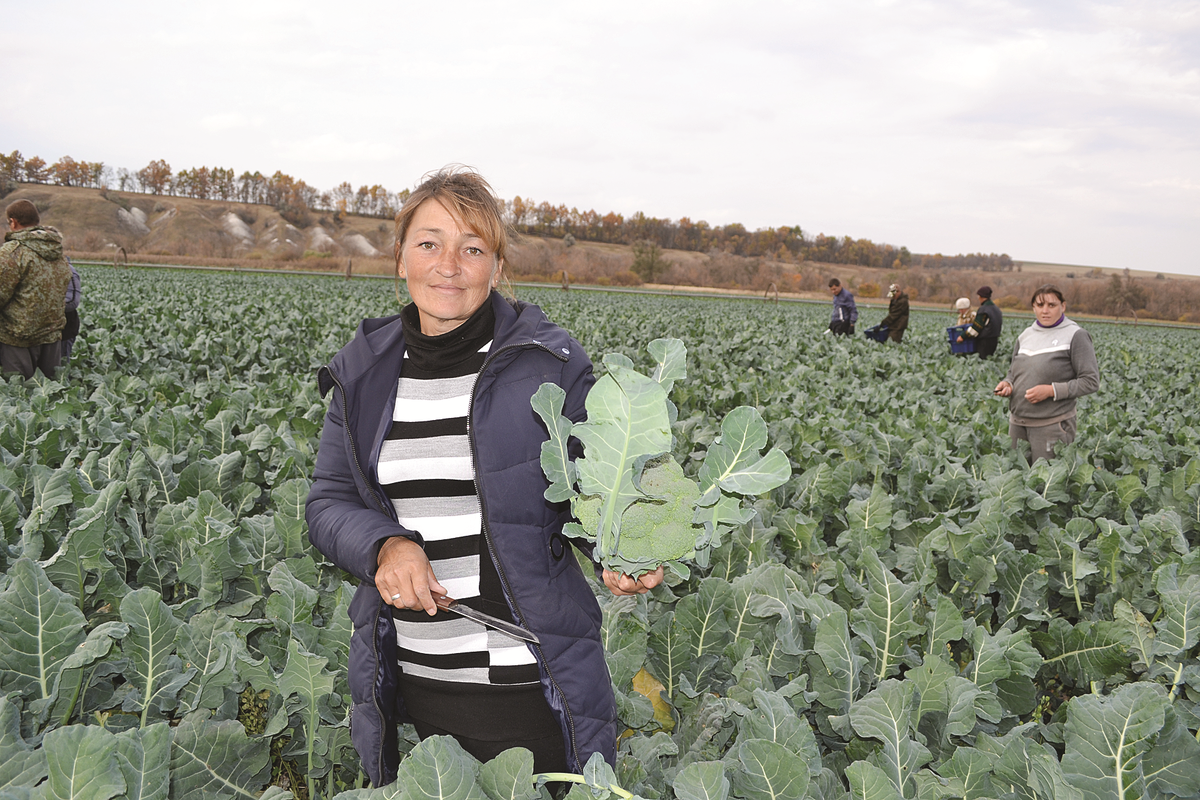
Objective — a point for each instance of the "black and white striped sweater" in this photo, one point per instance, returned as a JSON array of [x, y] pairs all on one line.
[[426, 470]]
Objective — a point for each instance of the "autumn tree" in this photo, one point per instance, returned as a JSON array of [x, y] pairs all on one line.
[[1125, 296], [648, 261], [155, 177], [66, 172], [12, 166]]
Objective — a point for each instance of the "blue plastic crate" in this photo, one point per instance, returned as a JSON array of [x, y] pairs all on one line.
[[967, 345], [878, 333]]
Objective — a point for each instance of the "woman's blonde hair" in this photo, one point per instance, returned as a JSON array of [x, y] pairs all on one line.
[[468, 197]]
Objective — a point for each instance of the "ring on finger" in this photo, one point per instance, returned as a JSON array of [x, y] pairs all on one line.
[[395, 597]]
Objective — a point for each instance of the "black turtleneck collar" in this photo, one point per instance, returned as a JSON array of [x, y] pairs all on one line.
[[435, 353]]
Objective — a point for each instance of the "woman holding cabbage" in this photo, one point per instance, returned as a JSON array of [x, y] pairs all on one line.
[[428, 486]]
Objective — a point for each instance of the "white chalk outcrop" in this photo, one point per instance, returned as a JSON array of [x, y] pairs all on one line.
[[134, 220], [357, 245], [283, 238], [321, 242], [236, 227]]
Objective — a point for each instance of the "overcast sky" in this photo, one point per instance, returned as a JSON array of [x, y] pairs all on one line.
[[1050, 130]]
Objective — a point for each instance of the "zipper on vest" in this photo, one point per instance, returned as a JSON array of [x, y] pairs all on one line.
[[354, 449], [487, 537]]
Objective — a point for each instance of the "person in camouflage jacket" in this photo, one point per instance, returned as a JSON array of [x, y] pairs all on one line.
[[33, 285]]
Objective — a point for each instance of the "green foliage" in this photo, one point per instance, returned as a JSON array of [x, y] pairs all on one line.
[[913, 612], [630, 495]]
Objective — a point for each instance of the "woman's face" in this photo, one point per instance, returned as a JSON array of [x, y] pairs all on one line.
[[1048, 309], [449, 269]]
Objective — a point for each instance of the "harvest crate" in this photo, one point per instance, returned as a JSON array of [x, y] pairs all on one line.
[[967, 346], [878, 333]]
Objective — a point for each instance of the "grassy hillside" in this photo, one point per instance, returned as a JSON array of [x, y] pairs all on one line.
[[103, 224]]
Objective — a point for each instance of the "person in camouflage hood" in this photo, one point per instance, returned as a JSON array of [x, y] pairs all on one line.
[[33, 285]]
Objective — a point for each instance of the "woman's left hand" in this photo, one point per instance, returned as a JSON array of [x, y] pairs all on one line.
[[1037, 394], [622, 585]]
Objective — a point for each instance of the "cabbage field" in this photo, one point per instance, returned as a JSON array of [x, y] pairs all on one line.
[[914, 613]]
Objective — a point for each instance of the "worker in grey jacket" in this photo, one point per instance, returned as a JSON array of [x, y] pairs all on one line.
[[1053, 364]]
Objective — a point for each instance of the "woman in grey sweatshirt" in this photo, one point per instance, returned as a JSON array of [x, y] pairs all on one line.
[[1053, 363]]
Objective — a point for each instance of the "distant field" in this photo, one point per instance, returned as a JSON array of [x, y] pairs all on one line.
[[1080, 271]]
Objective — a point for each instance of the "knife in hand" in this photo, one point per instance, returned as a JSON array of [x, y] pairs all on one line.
[[504, 626]]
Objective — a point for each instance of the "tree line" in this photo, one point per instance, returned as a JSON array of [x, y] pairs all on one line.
[[295, 199]]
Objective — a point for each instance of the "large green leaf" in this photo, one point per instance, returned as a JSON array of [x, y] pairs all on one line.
[[1087, 651], [838, 683], [40, 627], [702, 780], [1179, 628], [20, 764], [156, 674], [215, 758], [287, 499], [627, 421], [670, 356], [1106, 738], [144, 757], [509, 776], [439, 769], [886, 619], [83, 764], [556, 460], [209, 645], [886, 714], [51, 491], [735, 464], [869, 782], [762, 770], [701, 619]]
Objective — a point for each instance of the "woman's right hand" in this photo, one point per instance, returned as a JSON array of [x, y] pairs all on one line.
[[1003, 388], [404, 577]]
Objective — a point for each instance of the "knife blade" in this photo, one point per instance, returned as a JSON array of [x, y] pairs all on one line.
[[504, 626]]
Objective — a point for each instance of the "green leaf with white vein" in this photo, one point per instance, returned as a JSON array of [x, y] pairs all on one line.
[[508, 776], [886, 618], [627, 421], [1179, 627], [1084, 652], [869, 782], [735, 463], [144, 757], [216, 758], [762, 770], [40, 627], [1106, 738], [150, 647], [51, 491], [773, 719], [1170, 765], [702, 780], [838, 684], [305, 677], [670, 356], [292, 600], [556, 460], [82, 762], [20, 764], [886, 714], [439, 769]]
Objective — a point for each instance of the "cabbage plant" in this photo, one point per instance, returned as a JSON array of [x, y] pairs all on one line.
[[630, 495]]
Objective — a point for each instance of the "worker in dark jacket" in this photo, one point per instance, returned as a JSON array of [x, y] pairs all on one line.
[[985, 330], [896, 320], [845, 312], [428, 485], [33, 282]]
